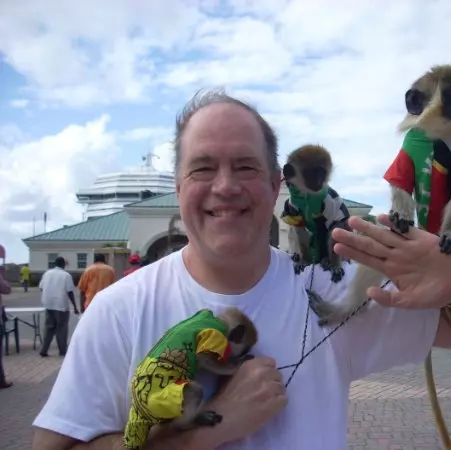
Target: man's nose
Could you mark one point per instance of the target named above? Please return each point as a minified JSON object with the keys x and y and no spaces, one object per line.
{"x":225,"y":183}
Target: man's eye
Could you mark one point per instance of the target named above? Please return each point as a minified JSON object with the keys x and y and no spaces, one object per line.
{"x":202,"y":169}
{"x":245,"y":168}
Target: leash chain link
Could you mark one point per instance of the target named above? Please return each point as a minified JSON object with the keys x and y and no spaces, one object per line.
{"x":324,"y":339}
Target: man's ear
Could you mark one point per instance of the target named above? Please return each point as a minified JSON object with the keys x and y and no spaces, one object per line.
{"x":177,"y":189}
{"x":276,"y":182}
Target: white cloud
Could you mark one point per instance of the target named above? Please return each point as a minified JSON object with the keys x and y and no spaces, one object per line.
{"x":20,"y":103}
{"x":76,"y":55}
{"x":42,"y":175}
{"x":147,"y":133}
{"x":328,"y":72}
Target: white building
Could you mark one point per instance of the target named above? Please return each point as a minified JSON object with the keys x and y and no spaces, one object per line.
{"x":111,"y":192}
{"x":140,"y":227}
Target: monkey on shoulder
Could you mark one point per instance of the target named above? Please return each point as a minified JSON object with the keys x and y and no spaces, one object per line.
{"x":163,"y":387}
{"x":419,"y":178}
{"x":313,"y":210}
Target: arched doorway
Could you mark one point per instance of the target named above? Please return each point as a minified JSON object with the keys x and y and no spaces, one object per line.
{"x":161,"y":248}
{"x":274,"y":232}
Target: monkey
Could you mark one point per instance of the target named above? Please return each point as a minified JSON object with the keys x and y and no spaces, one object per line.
{"x":425,"y":158}
{"x":163,"y":390}
{"x":313,"y":210}
{"x":422,"y":168}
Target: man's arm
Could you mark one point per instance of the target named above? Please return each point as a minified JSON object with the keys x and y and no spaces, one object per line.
{"x":82,"y":286}
{"x":199,"y":439}
{"x":378,"y":338}
{"x":70,"y":288}
{"x":443,"y":336}
{"x":72,"y":300}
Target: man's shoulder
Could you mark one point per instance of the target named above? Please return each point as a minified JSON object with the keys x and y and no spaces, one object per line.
{"x":146,"y":281}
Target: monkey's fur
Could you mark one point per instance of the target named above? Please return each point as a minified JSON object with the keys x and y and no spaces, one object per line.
{"x":163,"y":389}
{"x":313,"y":210}
{"x":428,"y":105}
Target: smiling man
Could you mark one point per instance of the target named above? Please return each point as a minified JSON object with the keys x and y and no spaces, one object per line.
{"x":228,"y":181}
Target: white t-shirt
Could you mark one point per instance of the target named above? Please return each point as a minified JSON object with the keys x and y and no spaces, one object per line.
{"x":55,"y":284}
{"x":127,"y":318}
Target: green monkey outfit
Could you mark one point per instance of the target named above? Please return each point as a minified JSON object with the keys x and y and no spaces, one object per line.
{"x":318,"y":213}
{"x":159,"y":380}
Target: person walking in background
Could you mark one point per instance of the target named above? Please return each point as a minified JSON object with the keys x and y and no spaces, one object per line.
{"x":57,"y":289}
{"x":5,"y":288}
{"x":25,"y":277}
{"x":96,"y":277}
{"x":135,"y":263}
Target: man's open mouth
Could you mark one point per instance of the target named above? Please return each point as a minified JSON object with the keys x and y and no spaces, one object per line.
{"x":227,"y":212}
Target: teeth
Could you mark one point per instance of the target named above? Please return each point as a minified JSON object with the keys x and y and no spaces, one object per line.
{"x":227,"y":213}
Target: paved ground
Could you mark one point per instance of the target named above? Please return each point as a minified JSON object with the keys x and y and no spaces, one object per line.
{"x":388,"y":411}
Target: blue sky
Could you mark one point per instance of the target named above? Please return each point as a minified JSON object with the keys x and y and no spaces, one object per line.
{"x":84,"y":91}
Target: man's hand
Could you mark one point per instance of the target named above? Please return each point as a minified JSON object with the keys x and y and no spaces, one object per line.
{"x":412,"y":261}
{"x":249,"y":399}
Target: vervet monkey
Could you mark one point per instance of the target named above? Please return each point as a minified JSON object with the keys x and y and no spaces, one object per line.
{"x":163,"y":389}
{"x":422,"y":168}
{"x":313,"y":209}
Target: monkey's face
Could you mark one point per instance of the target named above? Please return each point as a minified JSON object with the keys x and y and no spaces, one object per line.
{"x":310,"y":179}
{"x":428,"y":104}
{"x":308,"y":168}
{"x":242,"y":335}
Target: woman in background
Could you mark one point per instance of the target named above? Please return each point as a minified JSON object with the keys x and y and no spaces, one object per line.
{"x":5,"y":288}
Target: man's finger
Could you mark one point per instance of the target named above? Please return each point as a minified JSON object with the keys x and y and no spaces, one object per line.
{"x":351,"y":253}
{"x":384,"y":297}
{"x":364,"y":244}
{"x":381,"y":235}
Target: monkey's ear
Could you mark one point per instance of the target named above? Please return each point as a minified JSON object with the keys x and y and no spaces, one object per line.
{"x":237,"y":334}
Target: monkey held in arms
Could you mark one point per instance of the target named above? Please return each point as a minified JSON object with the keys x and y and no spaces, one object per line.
{"x":313,"y":210}
{"x":163,"y":390}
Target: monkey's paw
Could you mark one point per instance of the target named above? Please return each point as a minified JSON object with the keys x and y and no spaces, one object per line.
{"x":400,"y":221}
{"x":445,"y":242}
{"x":299,"y":267}
{"x":296,"y":257}
{"x":208,"y":419}
{"x":326,"y":312}
{"x":326,"y":264}
{"x":337,"y":274}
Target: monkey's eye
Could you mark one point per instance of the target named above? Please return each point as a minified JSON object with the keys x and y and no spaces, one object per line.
{"x":415,"y":101}
{"x":288,"y":171}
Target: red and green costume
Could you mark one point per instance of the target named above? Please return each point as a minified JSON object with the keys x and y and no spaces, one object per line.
{"x":423,"y":168}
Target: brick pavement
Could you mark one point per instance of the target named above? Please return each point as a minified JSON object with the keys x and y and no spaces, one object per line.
{"x":33,"y":378}
{"x":388,"y":411}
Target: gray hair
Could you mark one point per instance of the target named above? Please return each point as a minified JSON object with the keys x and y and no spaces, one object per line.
{"x":204,"y":98}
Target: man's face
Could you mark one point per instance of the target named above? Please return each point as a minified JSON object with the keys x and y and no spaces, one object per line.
{"x":226,"y":190}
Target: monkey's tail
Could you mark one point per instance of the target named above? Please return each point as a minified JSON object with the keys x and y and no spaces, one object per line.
{"x":364,"y":278}
{"x":440,"y":421}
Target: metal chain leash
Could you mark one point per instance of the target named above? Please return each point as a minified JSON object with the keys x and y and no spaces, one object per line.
{"x":304,"y":338}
